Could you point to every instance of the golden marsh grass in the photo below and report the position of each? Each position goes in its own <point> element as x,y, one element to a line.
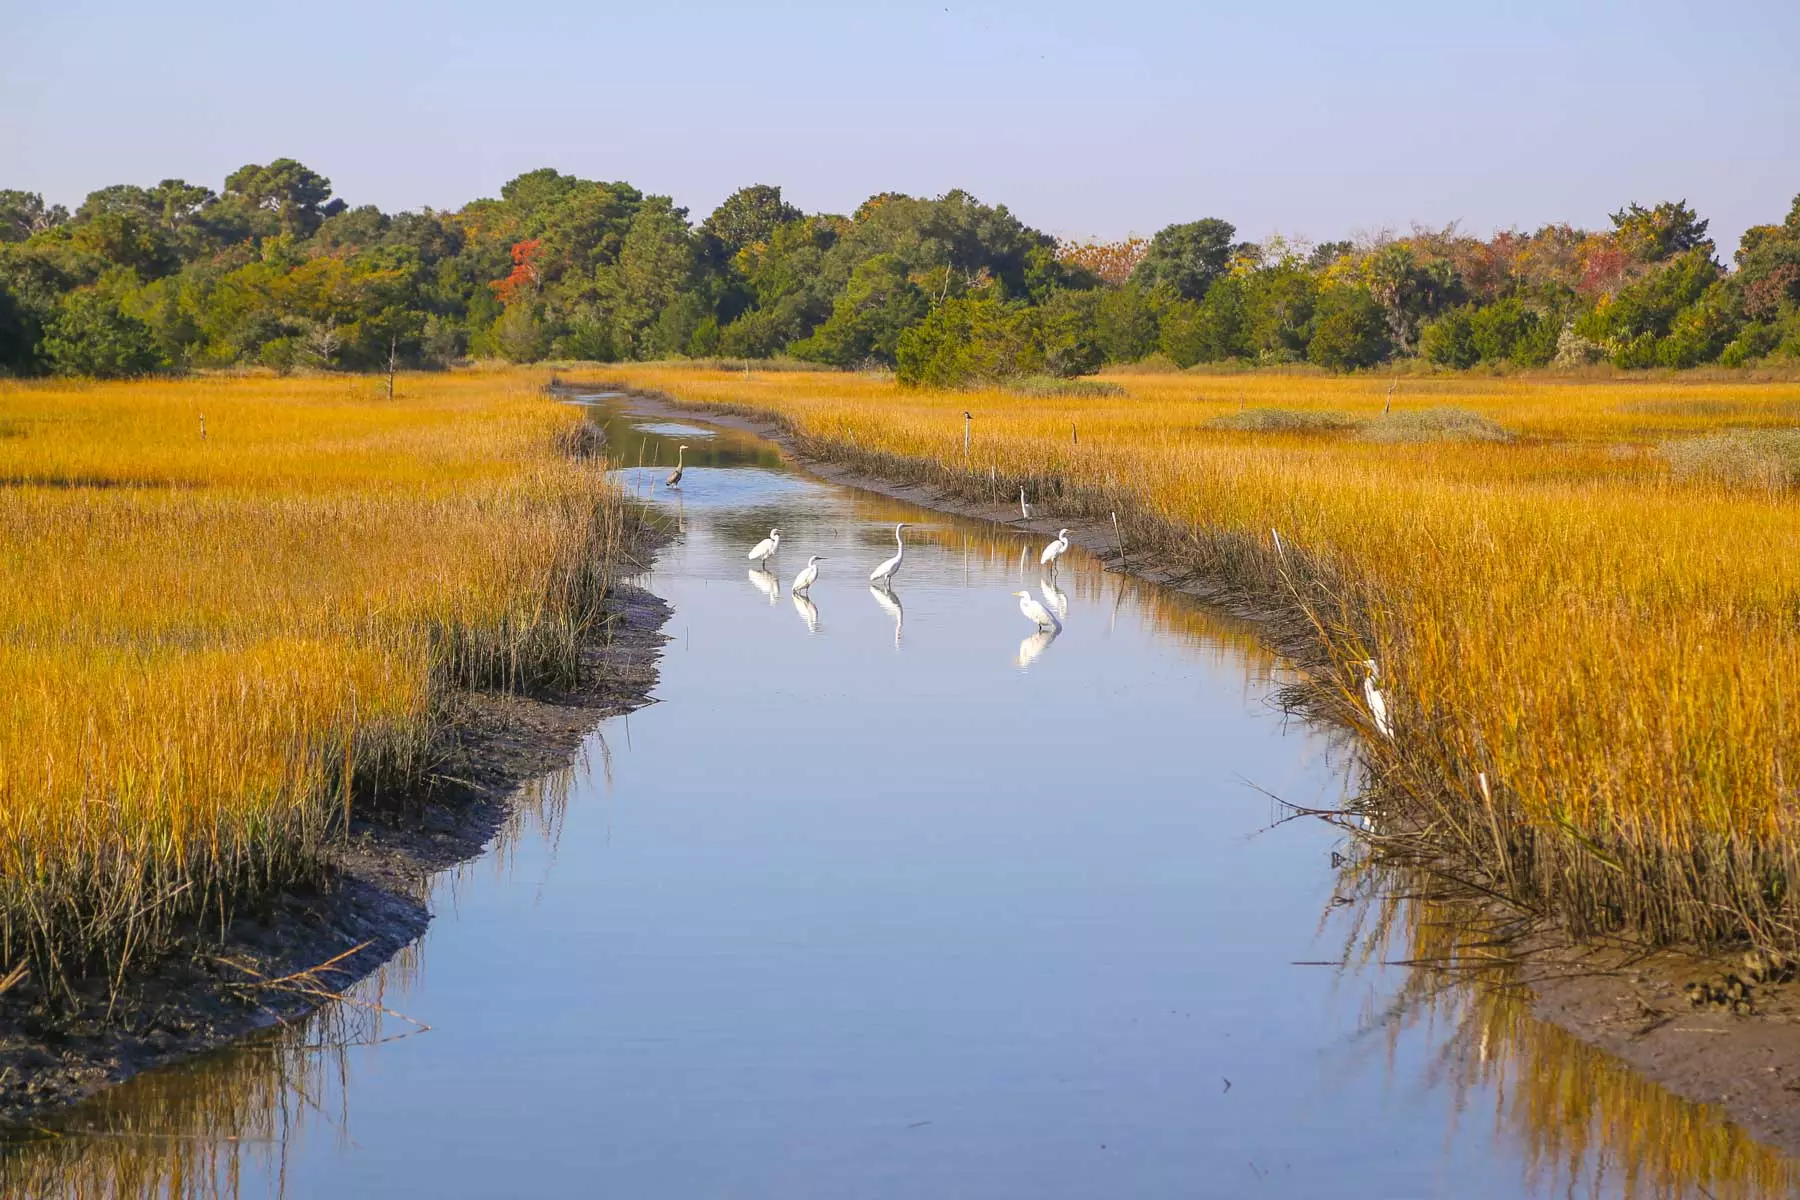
<point>232,604</point>
<point>1610,645</point>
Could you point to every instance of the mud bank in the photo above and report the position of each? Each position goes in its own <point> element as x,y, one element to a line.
<point>1613,995</point>
<point>370,904</point>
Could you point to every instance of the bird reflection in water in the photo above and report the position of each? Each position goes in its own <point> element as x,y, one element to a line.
<point>1036,644</point>
<point>1055,599</point>
<point>890,604</point>
<point>766,583</point>
<point>807,610</point>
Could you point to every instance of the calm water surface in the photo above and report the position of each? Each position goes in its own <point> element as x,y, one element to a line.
<point>890,897</point>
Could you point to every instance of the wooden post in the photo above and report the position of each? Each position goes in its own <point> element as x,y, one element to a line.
<point>1074,435</point>
<point>968,422</point>
<point>394,364</point>
<point>203,427</point>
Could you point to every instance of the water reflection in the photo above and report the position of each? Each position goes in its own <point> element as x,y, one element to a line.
<point>889,601</point>
<point>1086,856</point>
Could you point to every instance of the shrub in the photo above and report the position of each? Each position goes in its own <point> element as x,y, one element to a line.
<point>1285,420</point>
<point>1350,330</point>
<point>91,335</point>
<point>1435,425</point>
<point>1051,385</point>
<point>1768,458</point>
<point>1449,341</point>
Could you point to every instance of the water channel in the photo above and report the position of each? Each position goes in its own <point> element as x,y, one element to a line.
<point>891,897</point>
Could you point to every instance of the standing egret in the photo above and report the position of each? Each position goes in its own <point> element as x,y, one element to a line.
<point>674,479</point>
<point>808,574</point>
<point>1036,613</point>
<point>765,549</point>
<point>1054,550</point>
<point>884,574</point>
<point>1377,702</point>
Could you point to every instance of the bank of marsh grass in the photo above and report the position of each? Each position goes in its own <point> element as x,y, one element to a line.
<point>233,605</point>
<point>1614,648</point>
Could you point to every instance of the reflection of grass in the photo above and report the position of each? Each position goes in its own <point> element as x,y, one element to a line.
<point>1608,648</point>
<point>1577,1114</point>
<point>225,636</point>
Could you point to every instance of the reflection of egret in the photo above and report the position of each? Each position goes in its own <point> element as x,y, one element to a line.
<point>1377,702</point>
<point>808,574</point>
<point>1055,598</point>
<point>1035,645</point>
<point>766,583</point>
<point>884,574</point>
<point>1054,550</point>
<point>808,611</point>
<point>674,479</point>
<point>890,604</point>
<point>1036,613</point>
<point>764,550</point>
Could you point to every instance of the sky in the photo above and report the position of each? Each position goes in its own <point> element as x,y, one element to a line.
<point>1318,119</point>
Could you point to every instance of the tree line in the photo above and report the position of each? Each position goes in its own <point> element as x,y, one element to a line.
<point>273,270</point>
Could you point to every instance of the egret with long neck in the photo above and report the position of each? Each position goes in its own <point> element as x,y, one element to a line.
<point>1055,550</point>
<point>763,551</point>
<point>1376,701</point>
<point>808,575</point>
<point>884,574</point>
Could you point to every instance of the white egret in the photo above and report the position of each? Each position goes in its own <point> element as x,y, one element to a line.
<point>890,604</point>
<point>884,574</point>
<point>766,583</point>
<point>674,479</point>
<point>1036,613</point>
<point>808,574</point>
<point>765,549</point>
<point>1055,598</point>
<point>1036,644</point>
<point>1054,550</point>
<point>808,611</point>
<point>1377,702</point>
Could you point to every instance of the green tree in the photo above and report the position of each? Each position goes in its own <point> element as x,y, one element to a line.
<point>874,309</point>
<point>1185,259</point>
<point>24,213</point>
<point>92,336</point>
<point>294,192</point>
<point>656,263</point>
<point>1661,233</point>
<point>1126,323</point>
<point>969,340</point>
<point>1350,330</point>
<point>1449,341</point>
<point>748,217</point>
<point>1278,311</point>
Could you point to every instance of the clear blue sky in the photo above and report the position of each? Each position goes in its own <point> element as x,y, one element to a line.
<point>1315,117</point>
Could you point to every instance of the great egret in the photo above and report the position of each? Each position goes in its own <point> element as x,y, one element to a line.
<point>886,571</point>
<point>807,610</point>
<point>766,583</point>
<point>1036,644</point>
<point>1054,550</point>
<point>808,574</point>
<point>890,604</point>
<point>674,479</point>
<point>1377,702</point>
<point>1036,613</point>
<point>765,549</point>
<point>1055,598</point>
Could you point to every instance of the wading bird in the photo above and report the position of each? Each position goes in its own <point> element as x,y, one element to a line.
<point>1055,550</point>
<point>808,574</point>
<point>674,479</point>
<point>765,549</point>
<point>1377,702</point>
<point>1036,613</point>
<point>884,574</point>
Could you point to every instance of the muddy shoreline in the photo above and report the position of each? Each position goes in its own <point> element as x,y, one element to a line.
<point>1609,994</point>
<point>374,895</point>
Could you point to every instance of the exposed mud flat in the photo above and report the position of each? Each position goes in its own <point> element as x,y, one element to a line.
<point>1627,1002</point>
<point>371,900</point>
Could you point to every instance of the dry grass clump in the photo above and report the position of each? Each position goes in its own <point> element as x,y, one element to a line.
<point>1765,458</point>
<point>1285,420</point>
<point>1052,385</point>
<point>215,642</point>
<point>1609,649</point>
<point>1443,424</point>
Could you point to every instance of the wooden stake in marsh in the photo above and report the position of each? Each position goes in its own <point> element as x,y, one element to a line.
<point>394,364</point>
<point>968,423</point>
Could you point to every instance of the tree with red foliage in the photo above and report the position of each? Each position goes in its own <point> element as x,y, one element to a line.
<point>525,273</point>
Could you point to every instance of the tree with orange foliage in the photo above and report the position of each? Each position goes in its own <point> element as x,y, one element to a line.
<point>525,273</point>
<point>1111,262</point>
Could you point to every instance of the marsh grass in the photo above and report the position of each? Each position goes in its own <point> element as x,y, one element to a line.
<point>1764,458</point>
<point>1441,424</point>
<point>1286,420</point>
<point>1051,385</point>
<point>217,645</point>
<point>1614,651</point>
